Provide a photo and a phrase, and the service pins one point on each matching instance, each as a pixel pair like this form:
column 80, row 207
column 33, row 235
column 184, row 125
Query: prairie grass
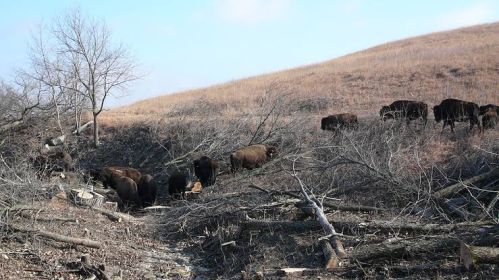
column 461, row 63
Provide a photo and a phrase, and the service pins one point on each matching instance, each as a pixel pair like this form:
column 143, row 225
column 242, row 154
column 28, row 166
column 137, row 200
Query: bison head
column 437, row 112
column 271, row 151
column 384, row 113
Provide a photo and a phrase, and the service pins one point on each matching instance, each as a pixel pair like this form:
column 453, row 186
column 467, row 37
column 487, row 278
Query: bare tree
column 78, row 62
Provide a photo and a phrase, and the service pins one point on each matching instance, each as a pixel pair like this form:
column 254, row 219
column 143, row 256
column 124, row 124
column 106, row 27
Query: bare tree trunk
column 96, row 131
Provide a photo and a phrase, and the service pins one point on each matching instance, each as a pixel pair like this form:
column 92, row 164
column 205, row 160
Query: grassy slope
column 461, row 63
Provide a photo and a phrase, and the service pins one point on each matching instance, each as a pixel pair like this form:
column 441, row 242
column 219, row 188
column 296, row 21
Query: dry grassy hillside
column 462, row 63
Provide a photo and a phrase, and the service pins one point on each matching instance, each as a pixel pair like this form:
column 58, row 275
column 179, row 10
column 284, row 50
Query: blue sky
column 189, row 44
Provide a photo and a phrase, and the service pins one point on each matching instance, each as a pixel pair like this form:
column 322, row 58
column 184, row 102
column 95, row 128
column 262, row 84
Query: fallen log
column 53, row 219
column 405, row 247
column 83, row 128
column 455, row 188
column 8, row 126
column 59, row 237
column 289, row 226
column 471, row 255
column 310, row 225
column 115, row 216
column 331, row 257
column 330, row 205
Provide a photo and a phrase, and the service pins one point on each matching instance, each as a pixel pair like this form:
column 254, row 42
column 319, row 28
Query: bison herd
column 449, row 111
column 140, row 190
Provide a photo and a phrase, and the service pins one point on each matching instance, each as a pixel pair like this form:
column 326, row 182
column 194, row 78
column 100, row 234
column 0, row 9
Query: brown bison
column 252, row 156
column 206, row 169
column 50, row 161
column 339, row 121
column 489, row 119
column 178, row 183
column 147, row 190
column 488, row 107
column 405, row 109
column 129, row 172
column 454, row 110
column 66, row 159
column 127, row 190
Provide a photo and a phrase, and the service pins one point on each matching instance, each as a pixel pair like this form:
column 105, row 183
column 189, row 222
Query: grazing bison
column 127, row 190
column 405, row 109
column 251, row 156
column 178, row 183
column 48, row 162
column 205, row 169
column 454, row 110
column 129, row 172
column 489, row 119
column 340, row 121
column 66, row 159
column 485, row 108
column 147, row 190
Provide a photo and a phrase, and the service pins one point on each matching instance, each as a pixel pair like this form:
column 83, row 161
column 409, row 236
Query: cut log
column 83, row 128
column 84, row 197
column 455, row 188
column 329, row 205
column 58, row 237
column 8, row 126
column 115, row 216
column 401, row 248
column 157, row 207
column 294, row 272
column 331, row 259
column 253, row 224
column 53, row 219
column 471, row 255
column 56, row 141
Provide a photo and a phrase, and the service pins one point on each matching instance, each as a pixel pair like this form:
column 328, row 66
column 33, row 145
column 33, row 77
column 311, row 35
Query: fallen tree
column 471, row 255
column 58, row 237
column 455, row 188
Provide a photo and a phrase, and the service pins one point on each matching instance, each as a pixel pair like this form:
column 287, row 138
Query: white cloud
column 252, row 11
column 479, row 13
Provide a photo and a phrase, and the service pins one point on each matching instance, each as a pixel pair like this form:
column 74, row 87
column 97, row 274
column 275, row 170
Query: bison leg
column 452, row 125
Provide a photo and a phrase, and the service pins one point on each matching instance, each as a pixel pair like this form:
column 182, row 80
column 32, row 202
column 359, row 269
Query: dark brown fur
column 489, row 119
column 129, row 172
column 454, row 110
column 405, row 109
column 252, row 156
column 206, row 170
column 178, row 183
column 147, row 190
column 339, row 121
column 484, row 109
column 127, row 190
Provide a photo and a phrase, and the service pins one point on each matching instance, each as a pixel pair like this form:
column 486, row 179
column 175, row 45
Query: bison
column 405, row 109
column 66, row 159
column 205, row 169
column 454, row 110
column 147, row 190
column 488, row 107
column 127, row 190
column 251, row 156
column 50, row 161
column 178, row 183
column 489, row 119
column 333, row 122
column 129, row 172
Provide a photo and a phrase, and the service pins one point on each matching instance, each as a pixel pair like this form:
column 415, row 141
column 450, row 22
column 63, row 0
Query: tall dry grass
column 462, row 63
